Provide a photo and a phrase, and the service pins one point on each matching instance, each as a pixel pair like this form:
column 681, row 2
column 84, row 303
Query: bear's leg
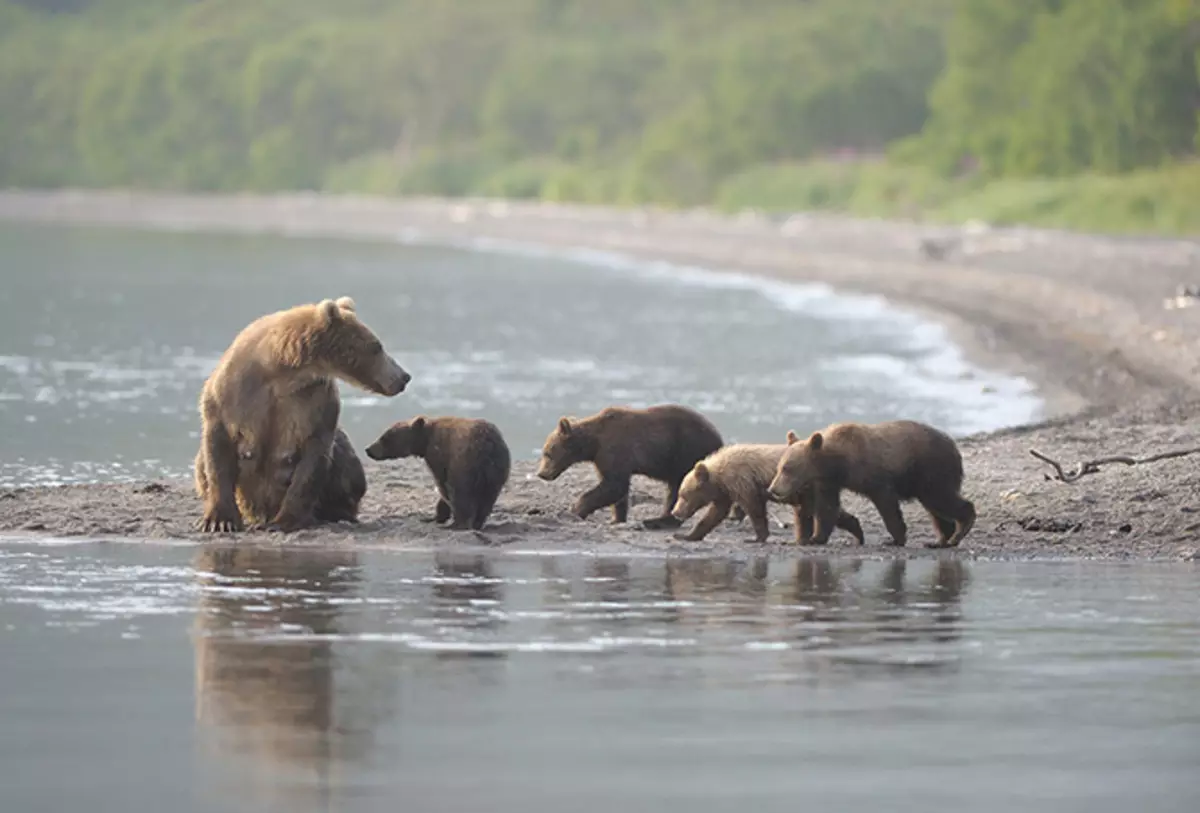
column 738, row 514
column 611, row 490
column 942, row 526
column 308, row 483
column 218, row 466
column 713, row 517
column 950, row 508
column 848, row 522
column 803, row 515
column 483, row 510
column 888, row 506
column 345, row 484
column 620, row 510
column 826, row 507
column 441, row 511
column 201, row 478
column 757, row 511
column 666, row 519
column 461, row 497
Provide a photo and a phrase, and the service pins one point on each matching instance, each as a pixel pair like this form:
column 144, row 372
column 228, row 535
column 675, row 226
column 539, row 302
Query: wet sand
column 1084, row 317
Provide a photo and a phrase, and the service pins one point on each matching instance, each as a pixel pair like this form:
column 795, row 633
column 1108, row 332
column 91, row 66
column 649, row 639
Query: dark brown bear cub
column 888, row 463
column 467, row 457
column 660, row 442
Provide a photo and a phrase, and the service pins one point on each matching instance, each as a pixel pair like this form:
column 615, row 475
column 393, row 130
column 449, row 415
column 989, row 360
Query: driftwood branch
column 1092, row 466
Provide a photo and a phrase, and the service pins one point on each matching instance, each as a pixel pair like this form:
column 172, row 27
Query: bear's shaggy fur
column 467, row 457
column 660, row 442
column 269, row 415
column 739, row 475
column 888, row 463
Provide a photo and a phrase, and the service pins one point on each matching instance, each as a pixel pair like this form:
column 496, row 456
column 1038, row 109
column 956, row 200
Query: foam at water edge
column 987, row 399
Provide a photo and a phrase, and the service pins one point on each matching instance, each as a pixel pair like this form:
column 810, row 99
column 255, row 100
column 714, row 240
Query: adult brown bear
column 271, row 453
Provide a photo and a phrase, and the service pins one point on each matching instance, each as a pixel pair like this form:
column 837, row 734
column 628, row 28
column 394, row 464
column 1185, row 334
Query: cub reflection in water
column 820, row 602
column 465, row 588
column 467, row 596
column 892, row 607
column 274, row 699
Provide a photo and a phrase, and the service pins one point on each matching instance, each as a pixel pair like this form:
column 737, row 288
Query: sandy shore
column 1084, row 317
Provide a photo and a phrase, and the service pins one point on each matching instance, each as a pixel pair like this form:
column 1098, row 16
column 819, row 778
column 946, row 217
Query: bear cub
column 738, row 475
column 468, row 458
column 660, row 442
column 888, row 463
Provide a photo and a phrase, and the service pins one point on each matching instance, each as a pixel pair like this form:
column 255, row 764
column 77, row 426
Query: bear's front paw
column 661, row 523
column 286, row 523
column 220, row 520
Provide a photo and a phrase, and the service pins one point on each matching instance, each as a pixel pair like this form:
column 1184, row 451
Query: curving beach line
column 1096, row 322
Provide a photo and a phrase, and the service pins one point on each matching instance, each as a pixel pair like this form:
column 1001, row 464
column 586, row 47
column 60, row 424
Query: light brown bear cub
column 888, row 463
column 739, row 475
column 467, row 457
column 660, row 442
column 271, row 452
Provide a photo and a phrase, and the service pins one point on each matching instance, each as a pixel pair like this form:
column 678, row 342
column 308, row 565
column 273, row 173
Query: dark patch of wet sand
column 1082, row 316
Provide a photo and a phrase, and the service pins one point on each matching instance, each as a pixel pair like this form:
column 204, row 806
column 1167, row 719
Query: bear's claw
column 218, row 526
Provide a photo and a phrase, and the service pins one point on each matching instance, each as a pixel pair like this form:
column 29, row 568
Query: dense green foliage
column 673, row 101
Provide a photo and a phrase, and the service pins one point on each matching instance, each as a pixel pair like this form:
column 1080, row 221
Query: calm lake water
column 106, row 338
column 141, row 677
column 144, row 677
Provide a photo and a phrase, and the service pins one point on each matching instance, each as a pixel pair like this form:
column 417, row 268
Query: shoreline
column 1080, row 316
column 861, row 257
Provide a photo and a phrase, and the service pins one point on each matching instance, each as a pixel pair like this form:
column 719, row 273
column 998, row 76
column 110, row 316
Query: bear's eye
column 375, row 348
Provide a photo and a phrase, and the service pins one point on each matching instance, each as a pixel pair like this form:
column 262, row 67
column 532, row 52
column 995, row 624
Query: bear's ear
column 345, row 303
column 417, row 423
column 701, row 471
column 816, row 441
column 792, row 438
column 329, row 310
column 564, row 426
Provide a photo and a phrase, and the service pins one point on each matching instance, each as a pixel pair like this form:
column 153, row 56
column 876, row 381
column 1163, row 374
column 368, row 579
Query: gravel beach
column 1096, row 322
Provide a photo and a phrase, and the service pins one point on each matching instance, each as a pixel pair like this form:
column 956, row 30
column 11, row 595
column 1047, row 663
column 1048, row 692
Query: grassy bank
column 1159, row 202
column 1163, row 202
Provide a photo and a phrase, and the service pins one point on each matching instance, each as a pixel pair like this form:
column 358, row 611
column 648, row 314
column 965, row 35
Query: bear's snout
column 375, row 451
column 394, row 379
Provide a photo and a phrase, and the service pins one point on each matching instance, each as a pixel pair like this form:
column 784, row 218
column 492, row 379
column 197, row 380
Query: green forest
column 1076, row 113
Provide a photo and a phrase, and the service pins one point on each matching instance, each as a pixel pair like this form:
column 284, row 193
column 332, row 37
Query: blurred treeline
column 889, row 106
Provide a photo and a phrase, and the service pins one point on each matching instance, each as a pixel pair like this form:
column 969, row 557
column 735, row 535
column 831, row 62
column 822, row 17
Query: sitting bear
column 270, row 451
column 467, row 457
column 888, row 463
column 739, row 475
column 660, row 442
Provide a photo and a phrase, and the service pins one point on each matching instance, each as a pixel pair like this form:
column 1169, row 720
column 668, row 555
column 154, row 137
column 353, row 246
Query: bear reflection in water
column 819, row 603
column 266, row 684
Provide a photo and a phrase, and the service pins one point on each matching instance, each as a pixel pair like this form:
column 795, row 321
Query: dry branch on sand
column 1092, row 466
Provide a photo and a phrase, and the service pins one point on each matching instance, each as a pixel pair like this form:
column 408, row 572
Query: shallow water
column 106, row 338
column 146, row 677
